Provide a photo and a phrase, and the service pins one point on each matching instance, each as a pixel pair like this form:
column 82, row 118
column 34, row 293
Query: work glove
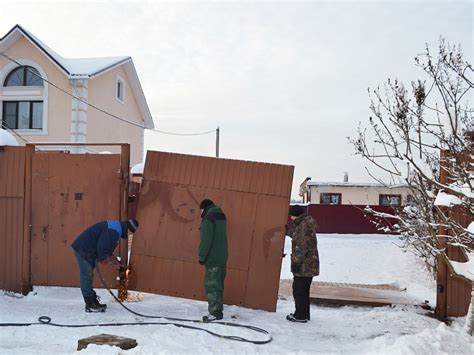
column 202, row 262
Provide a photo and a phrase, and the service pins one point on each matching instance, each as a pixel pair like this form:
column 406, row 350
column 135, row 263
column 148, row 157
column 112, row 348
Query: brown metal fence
column 453, row 293
column 46, row 199
column 12, row 193
column 254, row 197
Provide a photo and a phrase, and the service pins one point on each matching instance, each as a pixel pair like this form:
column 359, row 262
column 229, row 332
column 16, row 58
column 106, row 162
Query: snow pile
column 465, row 269
column 439, row 340
column 444, row 199
column 346, row 330
column 6, row 138
column 138, row 169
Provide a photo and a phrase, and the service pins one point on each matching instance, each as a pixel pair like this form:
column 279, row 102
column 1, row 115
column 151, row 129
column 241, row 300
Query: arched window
column 24, row 76
column 21, row 111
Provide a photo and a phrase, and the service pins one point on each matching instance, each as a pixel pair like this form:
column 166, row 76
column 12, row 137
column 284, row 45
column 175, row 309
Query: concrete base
column 107, row 339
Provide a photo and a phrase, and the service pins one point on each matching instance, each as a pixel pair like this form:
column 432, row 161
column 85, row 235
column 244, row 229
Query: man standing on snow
column 304, row 261
column 213, row 254
column 97, row 244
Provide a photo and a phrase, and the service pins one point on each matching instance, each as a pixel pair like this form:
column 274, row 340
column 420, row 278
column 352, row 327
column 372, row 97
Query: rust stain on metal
column 255, row 198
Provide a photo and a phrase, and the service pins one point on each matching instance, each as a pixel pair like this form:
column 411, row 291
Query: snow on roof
column 351, row 184
column 444, row 199
column 138, row 169
column 6, row 138
column 76, row 66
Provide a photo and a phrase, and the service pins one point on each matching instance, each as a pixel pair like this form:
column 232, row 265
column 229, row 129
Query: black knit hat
column 296, row 210
column 205, row 204
column 132, row 225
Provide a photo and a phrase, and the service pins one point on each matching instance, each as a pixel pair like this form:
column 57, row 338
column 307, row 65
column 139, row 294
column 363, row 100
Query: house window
column 24, row 76
column 24, row 98
column 22, row 114
column 330, row 199
column 390, row 200
column 120, row 89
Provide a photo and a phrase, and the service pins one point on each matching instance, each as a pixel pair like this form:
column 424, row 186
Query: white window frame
column 25, row 93
column 121, row 81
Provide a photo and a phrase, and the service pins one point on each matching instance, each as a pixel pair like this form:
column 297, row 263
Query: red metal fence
column 344, row 219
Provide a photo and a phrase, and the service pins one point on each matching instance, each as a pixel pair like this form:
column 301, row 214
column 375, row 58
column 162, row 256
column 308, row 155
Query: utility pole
column 217, row 142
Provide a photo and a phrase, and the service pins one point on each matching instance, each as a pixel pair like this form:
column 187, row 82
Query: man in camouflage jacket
column 304, row 261
column 213, row 254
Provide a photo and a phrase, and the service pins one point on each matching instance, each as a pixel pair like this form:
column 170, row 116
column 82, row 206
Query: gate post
column 124, row 185
column 26, row 256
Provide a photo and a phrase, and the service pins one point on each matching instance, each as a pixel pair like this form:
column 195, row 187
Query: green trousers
column 214, row 286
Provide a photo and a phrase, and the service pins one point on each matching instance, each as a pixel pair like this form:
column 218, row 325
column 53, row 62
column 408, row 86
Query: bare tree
column 414, row 135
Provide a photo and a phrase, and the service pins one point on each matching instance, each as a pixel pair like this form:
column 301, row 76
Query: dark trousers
column 86, row 274
column 301, row 287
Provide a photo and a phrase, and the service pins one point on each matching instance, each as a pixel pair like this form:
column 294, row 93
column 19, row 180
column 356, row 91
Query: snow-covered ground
column 352, row 259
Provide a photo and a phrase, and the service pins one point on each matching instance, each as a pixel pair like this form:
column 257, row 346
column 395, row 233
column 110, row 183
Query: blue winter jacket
column 98, row 242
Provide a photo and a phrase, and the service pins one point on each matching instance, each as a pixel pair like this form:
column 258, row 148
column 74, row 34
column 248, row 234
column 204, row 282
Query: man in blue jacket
column 97, row 244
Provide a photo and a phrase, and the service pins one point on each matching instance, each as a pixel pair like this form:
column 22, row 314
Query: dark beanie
column 132, row 225
column 296, row 210
column 205, row 204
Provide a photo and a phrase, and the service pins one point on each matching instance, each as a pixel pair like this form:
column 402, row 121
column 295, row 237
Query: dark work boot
column 211, row 318
column 93, row 305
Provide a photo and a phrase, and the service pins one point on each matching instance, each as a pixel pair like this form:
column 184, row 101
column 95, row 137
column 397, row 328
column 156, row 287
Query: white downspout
column 79, row 113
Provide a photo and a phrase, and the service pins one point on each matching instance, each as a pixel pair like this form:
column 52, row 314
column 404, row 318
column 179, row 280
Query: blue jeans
column 86, row 276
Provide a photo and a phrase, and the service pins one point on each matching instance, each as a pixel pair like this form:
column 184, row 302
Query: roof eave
column 139, row 94
column 32, row 40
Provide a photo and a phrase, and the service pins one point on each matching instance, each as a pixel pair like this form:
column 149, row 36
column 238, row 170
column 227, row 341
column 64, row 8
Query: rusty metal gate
column 12, row 194
column 255, row 199
column 70, row 192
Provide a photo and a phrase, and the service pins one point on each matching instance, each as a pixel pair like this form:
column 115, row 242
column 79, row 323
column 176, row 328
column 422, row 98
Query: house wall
column 103, row 128
column 101, row 93
column 358, row 195
column 58, row 105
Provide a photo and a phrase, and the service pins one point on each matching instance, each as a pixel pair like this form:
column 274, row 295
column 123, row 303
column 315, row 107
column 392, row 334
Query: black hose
column 45, row 320
column 251, row 327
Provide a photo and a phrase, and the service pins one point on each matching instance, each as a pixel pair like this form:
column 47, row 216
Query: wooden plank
column 353, row 294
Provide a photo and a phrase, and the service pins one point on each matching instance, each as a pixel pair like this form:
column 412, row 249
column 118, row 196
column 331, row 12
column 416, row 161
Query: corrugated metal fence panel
column 354, row 220
column 454, row 294
column 254, row 197
column 458, row 291
column 70, row 192
column 225, row 174
column 12, row 175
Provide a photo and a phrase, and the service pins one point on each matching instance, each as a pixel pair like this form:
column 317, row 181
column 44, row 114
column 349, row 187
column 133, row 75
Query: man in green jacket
column 213, row 254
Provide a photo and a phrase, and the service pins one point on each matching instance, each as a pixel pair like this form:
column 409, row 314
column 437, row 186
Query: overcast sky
column 285, row 81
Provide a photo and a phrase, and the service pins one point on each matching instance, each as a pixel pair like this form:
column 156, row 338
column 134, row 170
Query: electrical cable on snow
column 45, row 320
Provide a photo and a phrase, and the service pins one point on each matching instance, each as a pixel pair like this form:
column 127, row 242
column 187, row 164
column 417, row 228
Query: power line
column 5, row 126
column 98, row 108
column 183, row 134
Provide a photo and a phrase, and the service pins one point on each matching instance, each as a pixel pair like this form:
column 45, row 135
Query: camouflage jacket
column 304, row 247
